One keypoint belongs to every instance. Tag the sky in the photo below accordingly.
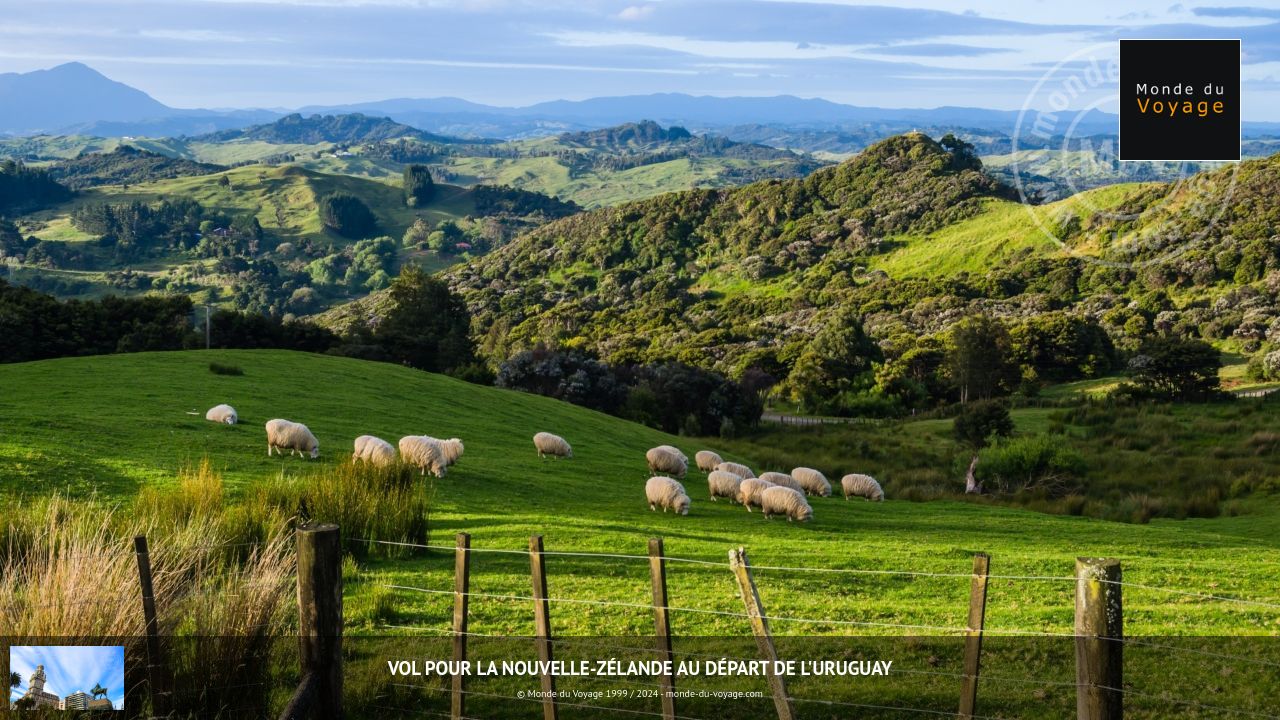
(900, 53)
(70, 669)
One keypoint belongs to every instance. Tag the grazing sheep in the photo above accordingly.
(863, 486)
(723, 484)
(707, 460)
(552, 445)
(783, 479)
(222, 414)
(373, 450)
(738, 469)
(677, 451)
(749, 492)
(452, 450)
(813, 482)
(785, 501)
(424, 453)
(295, 437)
(666, 459)
(668, 494)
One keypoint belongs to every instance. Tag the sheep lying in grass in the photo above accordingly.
(552, 445)
(666, 459)
(813, 482)
(373, 450)
(295, 437)
(663, 492)
(452, 450)
(738, 469)
(785, 501)
(707, 460)
(723, 485)
(222, 414)
(783, 479)
(749, 491)
(863, 486)
(424, 453)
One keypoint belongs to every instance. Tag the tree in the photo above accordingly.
(974, 427)
(347, 215)
(14, 679)
(1174, 368)
(418, 186)
(839, 353)
(427, 326)
(980, 358)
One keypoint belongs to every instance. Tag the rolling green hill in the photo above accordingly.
(103, 427)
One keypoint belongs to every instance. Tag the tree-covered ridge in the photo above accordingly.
(348, 128)
(627, 135)
(24, 189)
(628, 264)
(778, 278)
(127, 165)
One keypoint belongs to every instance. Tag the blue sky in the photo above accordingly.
(904, 53)
(70, 669)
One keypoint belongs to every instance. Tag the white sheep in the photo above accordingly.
(553, 445)
(707, 460)
(863, 486)
(295, 437)
(738, 469)
(222, 414)
(785, 501)
(677, 451)
(723, 484)
(813, 482)
(749, 491)
(373, 450)
(666, 459)
(783, 479)
(452, 450)
(424, 453)
(666, 493)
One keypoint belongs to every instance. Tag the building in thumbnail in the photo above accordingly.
(76, 701)
(36, 691)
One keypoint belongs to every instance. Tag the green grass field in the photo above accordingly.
(104, 427)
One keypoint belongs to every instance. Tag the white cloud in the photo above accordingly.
(635, 12)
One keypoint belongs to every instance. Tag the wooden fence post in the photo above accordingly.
(461, 588)
(155, 662)
(1099, 640)
(542, 627)
(973, 635)
(662, 625)
(760, 627)
(320, 619)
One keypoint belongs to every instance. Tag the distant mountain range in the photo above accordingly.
(76, 99)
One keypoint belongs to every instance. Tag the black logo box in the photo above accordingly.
(1185, 65)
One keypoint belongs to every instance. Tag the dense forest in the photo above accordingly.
(772, 278)
(25, 189)
(127, 165)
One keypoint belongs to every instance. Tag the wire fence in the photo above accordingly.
(826, 624)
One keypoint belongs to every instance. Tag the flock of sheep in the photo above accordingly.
(426, 453)
(775, 493)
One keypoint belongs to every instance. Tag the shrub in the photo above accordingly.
(1033, 463)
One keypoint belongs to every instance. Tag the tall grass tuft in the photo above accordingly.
(368, 503)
